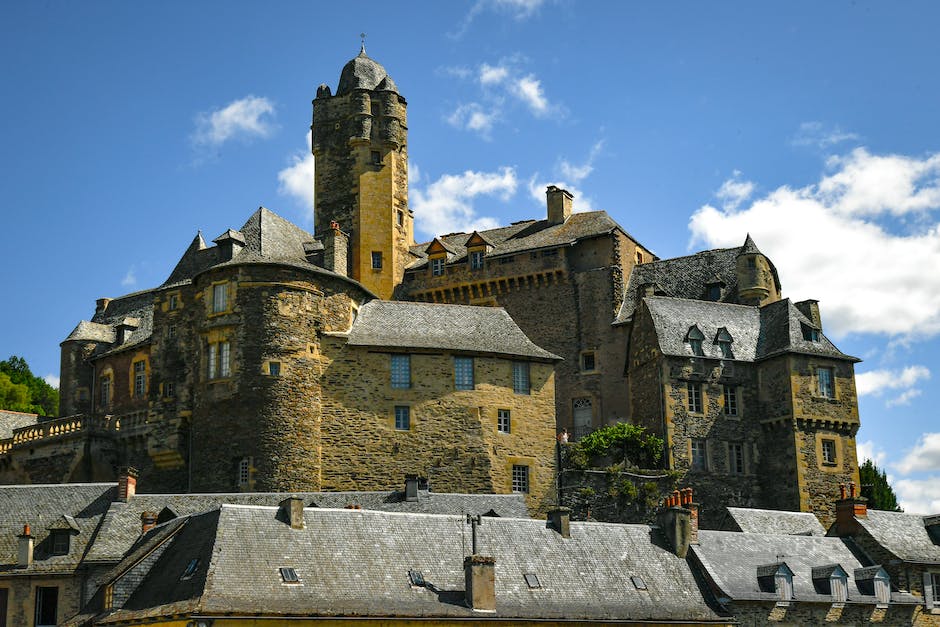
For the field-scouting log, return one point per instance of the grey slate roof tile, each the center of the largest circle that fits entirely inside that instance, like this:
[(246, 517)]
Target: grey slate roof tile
[(904, 535), (10, 420), (449, 327), (355, 563), (751, 520)]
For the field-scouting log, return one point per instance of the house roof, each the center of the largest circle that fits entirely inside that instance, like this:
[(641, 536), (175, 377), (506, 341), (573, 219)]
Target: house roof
[(774, 521), (522, 237), (121, 526), (733, 562), (904, 535), (10, 420), (756, 332), (466, 328), (241, 548), (77, 507), (362, 72)]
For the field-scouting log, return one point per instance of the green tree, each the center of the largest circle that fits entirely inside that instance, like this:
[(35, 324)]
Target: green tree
[(876, 489), (625, 443), (41, 398)]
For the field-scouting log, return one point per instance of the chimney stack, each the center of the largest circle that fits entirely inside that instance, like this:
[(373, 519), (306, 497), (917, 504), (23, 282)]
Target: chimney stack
[(126, 484), (411, 488), (292, 512), (148, 520), (336, 250), (559, 519), (480, 580), (101, 305), (848, 508), (678, 520), (559, 204), (24, 554), (810, 309)]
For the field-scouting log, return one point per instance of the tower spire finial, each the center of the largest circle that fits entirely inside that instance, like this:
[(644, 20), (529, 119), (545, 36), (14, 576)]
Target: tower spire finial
[(362, 48)]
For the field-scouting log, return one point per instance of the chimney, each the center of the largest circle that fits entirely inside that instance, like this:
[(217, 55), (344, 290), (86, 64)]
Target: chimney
[(24, 554), (148, 520), (411, 488), (336, 250), (101, 305), (848, 508), (693, 515), (559, 519), (480, 580), (559, 204), (292, 512), (810, 309), (678, 520), (126, 484)]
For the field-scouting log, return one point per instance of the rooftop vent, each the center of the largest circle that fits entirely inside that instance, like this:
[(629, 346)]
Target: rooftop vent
[(291, 511), (411, 488)]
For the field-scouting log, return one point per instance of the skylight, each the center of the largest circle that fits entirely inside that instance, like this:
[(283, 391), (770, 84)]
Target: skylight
[(190, 569), (289, 575), (532, 580)]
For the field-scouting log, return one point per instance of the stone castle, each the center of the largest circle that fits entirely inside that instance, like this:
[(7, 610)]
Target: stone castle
[(278, 360)]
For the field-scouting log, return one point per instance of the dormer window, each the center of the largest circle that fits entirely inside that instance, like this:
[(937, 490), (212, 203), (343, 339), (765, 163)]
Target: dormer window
[(776, 578), (476, 260), (810, 334), (437, 266), (713, 291), (695, 338), (832, 580), (723, 339), (60, 542), (874, 581)]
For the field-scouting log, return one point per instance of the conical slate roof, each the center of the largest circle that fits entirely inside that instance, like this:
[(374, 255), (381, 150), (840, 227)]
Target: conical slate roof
[(363, 73)]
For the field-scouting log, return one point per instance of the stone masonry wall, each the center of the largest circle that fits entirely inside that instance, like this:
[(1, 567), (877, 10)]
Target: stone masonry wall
[(21, 598)]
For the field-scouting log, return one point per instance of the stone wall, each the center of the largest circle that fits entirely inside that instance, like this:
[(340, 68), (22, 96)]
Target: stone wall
[(21, 598), (802, 613)]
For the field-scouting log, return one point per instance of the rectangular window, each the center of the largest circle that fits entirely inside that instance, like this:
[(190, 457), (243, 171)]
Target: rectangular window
[(694, 392), (174, 302), (169, 389), (219, 297), (463, 373), (520, 377), (400, 217), (402, 417), (583, 417), (225, 363), (376, 157), (60, 542), (503, 421), (170, 332), (934, 580), (476, 260), (587, 362), (243, 476), (376, 259), (219, 362), (437, 266), (47, 601), (105, 385), (829, 452), (140, 378), (731, 400), (736, 458), (520, 478), (699, 454), (726, 351), (401, 371), (839, 589), (825, 379)]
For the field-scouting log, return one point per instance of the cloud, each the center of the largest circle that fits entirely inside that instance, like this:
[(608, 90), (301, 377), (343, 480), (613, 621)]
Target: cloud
[(924, 457), (528, 89), (734, 191), (877, 382), (297, 179), (246, 118), (519, 10), (840, 239), (868, 450), (130, 278), (493, 75), (919, 496), (52, 380), (577, 172), (818, 135), (473, 117), (446, 205), (568, 175)]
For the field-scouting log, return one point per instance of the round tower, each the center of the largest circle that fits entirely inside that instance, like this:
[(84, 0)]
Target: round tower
[(757, 277), (360, 146)]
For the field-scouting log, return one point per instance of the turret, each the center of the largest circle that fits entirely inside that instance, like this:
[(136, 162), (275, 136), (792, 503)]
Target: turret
[(757, 278)]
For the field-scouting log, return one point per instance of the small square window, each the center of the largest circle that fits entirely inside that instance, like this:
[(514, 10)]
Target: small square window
[(829, 452), (520, 478), (376, 259), (60, 542), (437, 266), (587, 362), (503, 421), (416, 577), (402, 418), (809, 333), (376, 157), (532, 580), (694, 394), (638, 583), (274, 368), (463, 373), (289, 575), (169, 389), (825, 380), (520, 377)]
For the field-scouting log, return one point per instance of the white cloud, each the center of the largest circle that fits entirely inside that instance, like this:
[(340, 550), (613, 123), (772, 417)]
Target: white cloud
[(924, 457), (877, 382), (130, 278), (492, 75), (579, 171), (919, 496), (826, 240), (528, 89), (52, 380), (245, 118), (446, 205), (818, 135), (734, 191), (473, 117), (867, 450), (904, 398), (518, 9), (297, 179)]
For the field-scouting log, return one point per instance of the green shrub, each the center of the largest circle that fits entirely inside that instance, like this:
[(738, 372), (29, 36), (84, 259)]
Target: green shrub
[(625, 443)]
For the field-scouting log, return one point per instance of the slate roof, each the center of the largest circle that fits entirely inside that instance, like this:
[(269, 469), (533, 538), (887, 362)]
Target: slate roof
[(523, 236), (731, 561), (121, 526), (362, 72), (488, 330), (241, 548), (92, 331), (43, 507), (688, 276), (757, 333), (10, 420), (904, 535), (774, 521)]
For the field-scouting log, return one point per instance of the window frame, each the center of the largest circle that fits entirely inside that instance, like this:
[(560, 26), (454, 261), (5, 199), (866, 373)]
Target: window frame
[(104, 390), (829, 452), (402, 415), (220, 297), (521, 483), (61, 541), (825, 385), (693, 392), (521, 378), (40, 604), (377, 261), (464, 373), (437, 266), (219, 360), (243, 473), (400, 371), (737, 463), (503, 421), (476, 259), (730, 395), (140, 378), (698, 455), (588, 361)]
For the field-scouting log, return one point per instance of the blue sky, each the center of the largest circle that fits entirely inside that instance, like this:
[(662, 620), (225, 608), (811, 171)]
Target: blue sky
[(813, 126)]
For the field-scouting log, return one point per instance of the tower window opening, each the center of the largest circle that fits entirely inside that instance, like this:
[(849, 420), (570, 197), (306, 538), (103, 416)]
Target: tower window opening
[(376, 157), (376, 259)]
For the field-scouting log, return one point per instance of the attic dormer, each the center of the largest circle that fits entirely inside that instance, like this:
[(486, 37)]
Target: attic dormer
[(832, 580), (776, 578), (694, 339), (124, 329), (230, 244), (477, 248), (437, 252), (60, 535), (723, 339)]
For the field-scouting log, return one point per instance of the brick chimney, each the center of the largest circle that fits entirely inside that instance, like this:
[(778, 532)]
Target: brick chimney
[(559, 204), (678, 520), (126, 484), (148, 520), (480, 580), (411, 488), (559, 519), (291, 511), (24, 553), (849, 507), (336, 250)]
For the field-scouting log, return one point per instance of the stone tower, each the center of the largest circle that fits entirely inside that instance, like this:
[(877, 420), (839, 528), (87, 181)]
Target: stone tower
[(757, 282), (360, 143)]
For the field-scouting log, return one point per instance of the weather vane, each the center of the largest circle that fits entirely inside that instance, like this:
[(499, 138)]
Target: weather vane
[(362, 36)]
